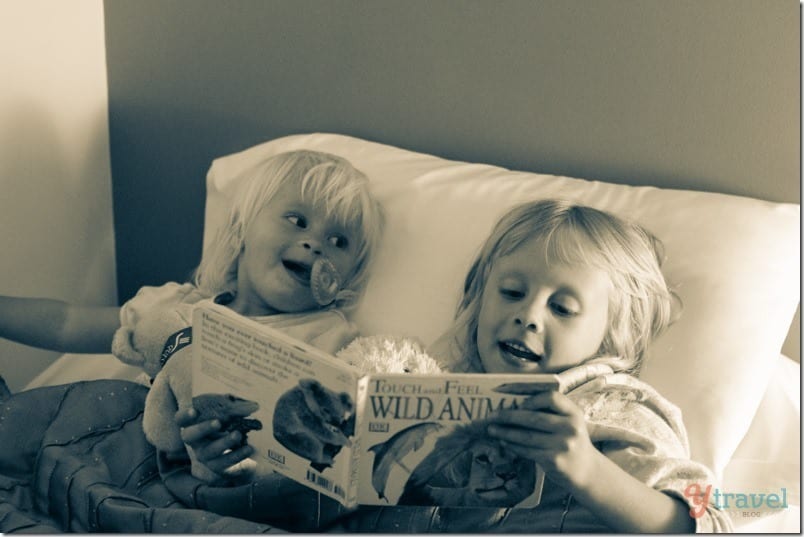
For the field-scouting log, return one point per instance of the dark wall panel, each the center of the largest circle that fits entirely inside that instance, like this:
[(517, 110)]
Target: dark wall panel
[(686, 94)]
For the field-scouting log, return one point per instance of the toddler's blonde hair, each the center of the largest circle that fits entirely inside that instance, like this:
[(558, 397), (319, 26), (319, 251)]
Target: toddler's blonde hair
[(324, 180), (641, 305)]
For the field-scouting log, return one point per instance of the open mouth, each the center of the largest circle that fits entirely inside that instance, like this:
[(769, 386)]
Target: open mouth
[(298, 271), (519, 351)]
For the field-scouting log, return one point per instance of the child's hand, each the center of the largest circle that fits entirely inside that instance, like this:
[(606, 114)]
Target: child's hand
[(549, 429), (215, 449)]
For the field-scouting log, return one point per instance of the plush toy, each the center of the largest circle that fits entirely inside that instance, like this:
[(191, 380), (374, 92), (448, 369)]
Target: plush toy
[(388, 354), (155, 337), (160, 345)]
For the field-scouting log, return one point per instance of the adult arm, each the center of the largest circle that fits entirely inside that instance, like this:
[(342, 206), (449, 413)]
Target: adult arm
[(58, 325)]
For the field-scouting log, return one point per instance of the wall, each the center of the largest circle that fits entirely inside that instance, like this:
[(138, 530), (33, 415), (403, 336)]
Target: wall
[(55, 207), (683, 94)]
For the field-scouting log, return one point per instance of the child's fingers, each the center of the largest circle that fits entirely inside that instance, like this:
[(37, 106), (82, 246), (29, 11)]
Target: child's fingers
[(220, 463), (186, 416), (524, 437), (193, 434), (212, 448), (567, 422), (552, 401)]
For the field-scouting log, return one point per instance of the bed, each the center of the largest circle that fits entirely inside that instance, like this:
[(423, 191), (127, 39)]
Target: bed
[(683, 115), (733, 260)]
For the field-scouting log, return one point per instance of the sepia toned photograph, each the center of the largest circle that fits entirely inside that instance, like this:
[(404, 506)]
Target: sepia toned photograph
[(400, 266)]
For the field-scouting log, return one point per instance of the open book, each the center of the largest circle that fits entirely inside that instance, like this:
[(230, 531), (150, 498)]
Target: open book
[(378, 439)]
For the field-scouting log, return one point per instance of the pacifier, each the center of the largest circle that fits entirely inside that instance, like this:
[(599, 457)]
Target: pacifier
[(325, 282)]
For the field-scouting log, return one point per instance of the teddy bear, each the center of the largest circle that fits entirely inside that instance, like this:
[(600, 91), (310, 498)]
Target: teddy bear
[(160, 344)]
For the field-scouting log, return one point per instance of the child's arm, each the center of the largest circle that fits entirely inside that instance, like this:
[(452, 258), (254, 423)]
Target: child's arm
[(550, 429), (57, 325)]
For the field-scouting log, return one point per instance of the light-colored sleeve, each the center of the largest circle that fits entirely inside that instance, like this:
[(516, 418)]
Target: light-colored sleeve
[(642, 432)]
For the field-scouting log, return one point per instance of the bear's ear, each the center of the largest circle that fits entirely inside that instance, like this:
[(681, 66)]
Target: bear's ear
[(124, 350), (311, 391)]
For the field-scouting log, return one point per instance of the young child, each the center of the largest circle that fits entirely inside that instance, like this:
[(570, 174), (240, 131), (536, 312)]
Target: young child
[(562, 288), (296, 248), (571, 290)]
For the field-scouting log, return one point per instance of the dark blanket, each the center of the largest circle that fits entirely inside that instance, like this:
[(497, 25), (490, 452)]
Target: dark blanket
[(74, 459)]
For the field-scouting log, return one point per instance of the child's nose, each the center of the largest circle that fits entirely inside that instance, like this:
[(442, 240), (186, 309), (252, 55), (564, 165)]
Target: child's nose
[(530, 318), (531, 325), (312, 245)]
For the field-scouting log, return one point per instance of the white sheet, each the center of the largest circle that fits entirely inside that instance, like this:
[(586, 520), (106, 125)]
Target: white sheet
[(75, 367), (768, 458)]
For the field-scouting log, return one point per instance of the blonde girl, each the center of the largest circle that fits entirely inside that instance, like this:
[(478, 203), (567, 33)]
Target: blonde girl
[(297, 219), (568, 289)]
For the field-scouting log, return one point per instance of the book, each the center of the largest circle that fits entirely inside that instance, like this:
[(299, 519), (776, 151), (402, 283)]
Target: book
[(371, 439)]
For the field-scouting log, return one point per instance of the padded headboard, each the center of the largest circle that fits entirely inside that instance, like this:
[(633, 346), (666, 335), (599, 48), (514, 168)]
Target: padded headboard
[(684, 94)]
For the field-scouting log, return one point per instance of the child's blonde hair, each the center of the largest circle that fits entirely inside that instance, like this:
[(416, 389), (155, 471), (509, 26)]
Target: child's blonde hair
[(641, 306), (324, 180)]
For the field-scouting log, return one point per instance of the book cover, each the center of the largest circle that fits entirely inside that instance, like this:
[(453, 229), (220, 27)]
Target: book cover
[(423, 441), (306, 397), (379, 439)]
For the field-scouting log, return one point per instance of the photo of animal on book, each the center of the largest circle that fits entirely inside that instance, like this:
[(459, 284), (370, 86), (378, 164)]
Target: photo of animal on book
[(314, 422), (373, 439)]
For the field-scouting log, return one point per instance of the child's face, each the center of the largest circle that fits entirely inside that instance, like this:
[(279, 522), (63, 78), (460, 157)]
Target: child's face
[(538, 317), (280, 246)]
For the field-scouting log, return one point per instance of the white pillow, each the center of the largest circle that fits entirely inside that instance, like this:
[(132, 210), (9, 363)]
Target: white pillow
[(734, 260)]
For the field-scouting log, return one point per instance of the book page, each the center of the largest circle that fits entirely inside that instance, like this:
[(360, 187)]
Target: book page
[(306, 397), (423, 441)]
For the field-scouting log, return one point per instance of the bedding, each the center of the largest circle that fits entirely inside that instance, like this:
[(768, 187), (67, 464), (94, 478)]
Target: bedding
[(734, 262), (75, 459)]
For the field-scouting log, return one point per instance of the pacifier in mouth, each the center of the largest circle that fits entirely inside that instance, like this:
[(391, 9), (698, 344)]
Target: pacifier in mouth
[(325, 282)]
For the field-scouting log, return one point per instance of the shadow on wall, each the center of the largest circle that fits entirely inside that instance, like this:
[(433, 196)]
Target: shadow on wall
[(56, 218), (164, 176)]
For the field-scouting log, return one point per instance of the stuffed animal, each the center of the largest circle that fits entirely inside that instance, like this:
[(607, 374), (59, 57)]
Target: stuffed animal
[(158, 340), (155, 338), (388, 354), (160, 345)]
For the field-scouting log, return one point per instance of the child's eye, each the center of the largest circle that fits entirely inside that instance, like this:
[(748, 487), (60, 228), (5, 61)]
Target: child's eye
[(297, 220), (339, 241), (512, 294), (563, 310)]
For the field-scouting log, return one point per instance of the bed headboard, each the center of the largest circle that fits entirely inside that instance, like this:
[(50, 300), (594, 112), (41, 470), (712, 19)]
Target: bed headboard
[(683, 94)]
